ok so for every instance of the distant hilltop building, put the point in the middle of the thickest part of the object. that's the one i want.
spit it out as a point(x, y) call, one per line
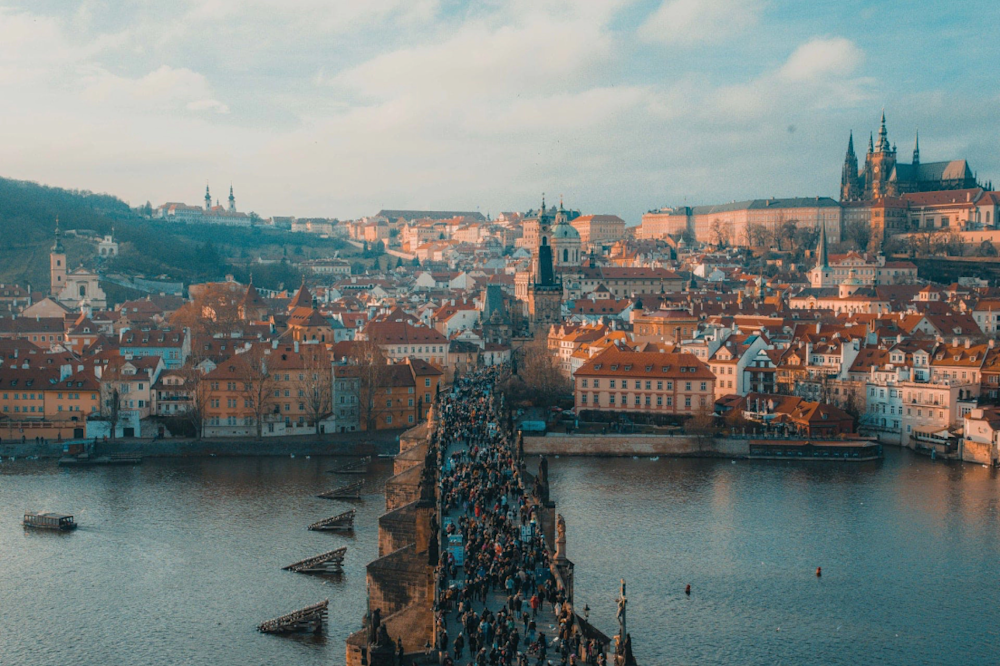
point(883, 176)
point(736, 223)
point(217, 214)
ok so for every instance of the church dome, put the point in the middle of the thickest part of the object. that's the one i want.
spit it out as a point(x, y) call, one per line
point(565, 231)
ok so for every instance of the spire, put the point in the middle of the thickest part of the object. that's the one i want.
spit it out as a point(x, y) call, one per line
point(232, 199)
point(57, 247)
point(871, 144)
point(883, 136)
point(916, 148)
point(850, 146)
point(821, 257)
point(208, 198)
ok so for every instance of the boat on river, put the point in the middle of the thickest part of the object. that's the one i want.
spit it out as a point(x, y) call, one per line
point(49, 521)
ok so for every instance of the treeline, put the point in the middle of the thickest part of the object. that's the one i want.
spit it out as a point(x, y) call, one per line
point(185, 253)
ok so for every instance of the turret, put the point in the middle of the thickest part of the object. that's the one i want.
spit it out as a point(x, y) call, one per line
point(916, 149)
point(208, 198)
point(232, 199)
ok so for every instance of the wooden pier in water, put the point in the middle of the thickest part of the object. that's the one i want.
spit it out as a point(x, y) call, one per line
point(348, 492)
point(310, 618)
point(331, 562)
point(356, 467)
point(342, 522)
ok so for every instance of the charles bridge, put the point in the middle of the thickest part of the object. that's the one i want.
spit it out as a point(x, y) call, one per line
point(405, 582)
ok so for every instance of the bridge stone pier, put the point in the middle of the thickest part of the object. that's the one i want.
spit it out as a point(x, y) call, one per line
point(407, 617)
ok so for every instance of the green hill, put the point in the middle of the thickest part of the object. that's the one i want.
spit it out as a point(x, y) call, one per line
point(186, 253)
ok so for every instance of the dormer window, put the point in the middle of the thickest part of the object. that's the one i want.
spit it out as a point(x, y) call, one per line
point(627, 368)
point(614, 367)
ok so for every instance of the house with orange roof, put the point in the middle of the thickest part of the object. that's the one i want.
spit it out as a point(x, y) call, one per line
point(648, 384)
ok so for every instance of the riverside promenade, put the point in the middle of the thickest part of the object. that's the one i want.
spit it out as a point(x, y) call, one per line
point(472, 565)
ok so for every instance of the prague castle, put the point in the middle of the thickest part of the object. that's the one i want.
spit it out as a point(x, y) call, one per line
point(882, 176)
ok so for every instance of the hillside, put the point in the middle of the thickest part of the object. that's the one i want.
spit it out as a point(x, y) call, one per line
point(186, 253)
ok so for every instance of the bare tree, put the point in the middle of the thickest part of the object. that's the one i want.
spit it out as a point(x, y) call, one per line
point(860, 232)
point(539, 379)
point(373, 375)
point(719, 233)
point(317, 382)
point(111, 398)
point(758, 235)
point(255, 383)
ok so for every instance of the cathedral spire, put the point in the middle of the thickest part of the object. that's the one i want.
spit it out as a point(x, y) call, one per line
point(850, 146)
point(883, 136)
point(822, 261)
point(916, 148)
point(871, 144)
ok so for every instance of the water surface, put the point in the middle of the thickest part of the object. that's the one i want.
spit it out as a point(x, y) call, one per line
point(909, 550)
point(177, 561)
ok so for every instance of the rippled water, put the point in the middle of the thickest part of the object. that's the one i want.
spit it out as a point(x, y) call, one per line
point(176, 562)
point(909, 548)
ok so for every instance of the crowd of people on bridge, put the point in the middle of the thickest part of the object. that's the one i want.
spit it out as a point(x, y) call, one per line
point(503, 563)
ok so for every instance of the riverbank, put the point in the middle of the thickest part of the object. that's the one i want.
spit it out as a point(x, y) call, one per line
point(334, 444)
point(679, 446)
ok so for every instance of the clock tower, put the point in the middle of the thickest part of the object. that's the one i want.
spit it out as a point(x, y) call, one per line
point(57, 265)
point(879, 164)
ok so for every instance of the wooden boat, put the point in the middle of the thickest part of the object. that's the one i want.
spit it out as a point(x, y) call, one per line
point(342, 522)
point(49, 521)
point(310, 618)
point(356, 467)
point(348, 492)
point(331, 562)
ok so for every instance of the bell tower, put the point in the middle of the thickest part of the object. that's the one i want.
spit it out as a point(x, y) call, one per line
point(57, 264)
point(880, 165)
point(208, 198)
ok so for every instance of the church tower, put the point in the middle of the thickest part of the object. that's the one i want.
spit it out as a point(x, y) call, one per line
point(208, 198)
point(849, 190)
point(916, 149)
point(820, 275)
point(545, 292)
point(232, 199)
point(879, 166)
point(57, 265)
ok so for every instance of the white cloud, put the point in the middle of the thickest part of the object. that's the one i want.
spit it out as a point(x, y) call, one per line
point(822, 58)
point(543, 54)
point(688, 22)
point(163, 89)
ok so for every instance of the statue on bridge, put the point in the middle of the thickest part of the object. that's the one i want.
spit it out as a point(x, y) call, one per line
point(542, 481)
point(623, 641)
point(560, 537)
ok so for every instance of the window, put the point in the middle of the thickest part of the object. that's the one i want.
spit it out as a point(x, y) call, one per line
point(427, 381)
point(597, 383)
point(704, 386)
point(638, 401)
point(388, 403)
point(611, 400)
point(687, 401)
point(388, 418)
point(612, 383)
point(584, 384)
point(687, 386)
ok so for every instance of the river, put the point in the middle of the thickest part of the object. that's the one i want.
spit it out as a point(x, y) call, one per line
point(909, 550)
point(176, 561)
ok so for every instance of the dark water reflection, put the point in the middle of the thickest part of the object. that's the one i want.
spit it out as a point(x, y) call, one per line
point(176, 562)
point(910, 552)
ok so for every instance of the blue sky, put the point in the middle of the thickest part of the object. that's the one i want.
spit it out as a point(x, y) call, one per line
point(319, 107)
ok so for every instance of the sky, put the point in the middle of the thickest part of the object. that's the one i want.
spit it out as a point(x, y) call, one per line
point(338, 108)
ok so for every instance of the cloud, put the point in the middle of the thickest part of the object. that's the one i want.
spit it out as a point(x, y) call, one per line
point(822, 58)
point(688, 22)
point(162, 89)
point(542, 54)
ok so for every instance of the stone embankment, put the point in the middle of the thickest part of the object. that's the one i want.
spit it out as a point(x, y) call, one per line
point(345, 444)
point(691, 446)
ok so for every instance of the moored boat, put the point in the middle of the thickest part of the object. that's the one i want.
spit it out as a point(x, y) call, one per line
point(49, 521)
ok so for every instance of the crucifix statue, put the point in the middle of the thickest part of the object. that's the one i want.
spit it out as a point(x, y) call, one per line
point(622, 603)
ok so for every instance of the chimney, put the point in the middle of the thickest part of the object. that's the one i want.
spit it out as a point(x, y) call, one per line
point(818, 326)
point(968, 343)
point(954, 342)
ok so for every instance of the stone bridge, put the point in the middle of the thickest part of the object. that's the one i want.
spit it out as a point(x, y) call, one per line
point(405, 581)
